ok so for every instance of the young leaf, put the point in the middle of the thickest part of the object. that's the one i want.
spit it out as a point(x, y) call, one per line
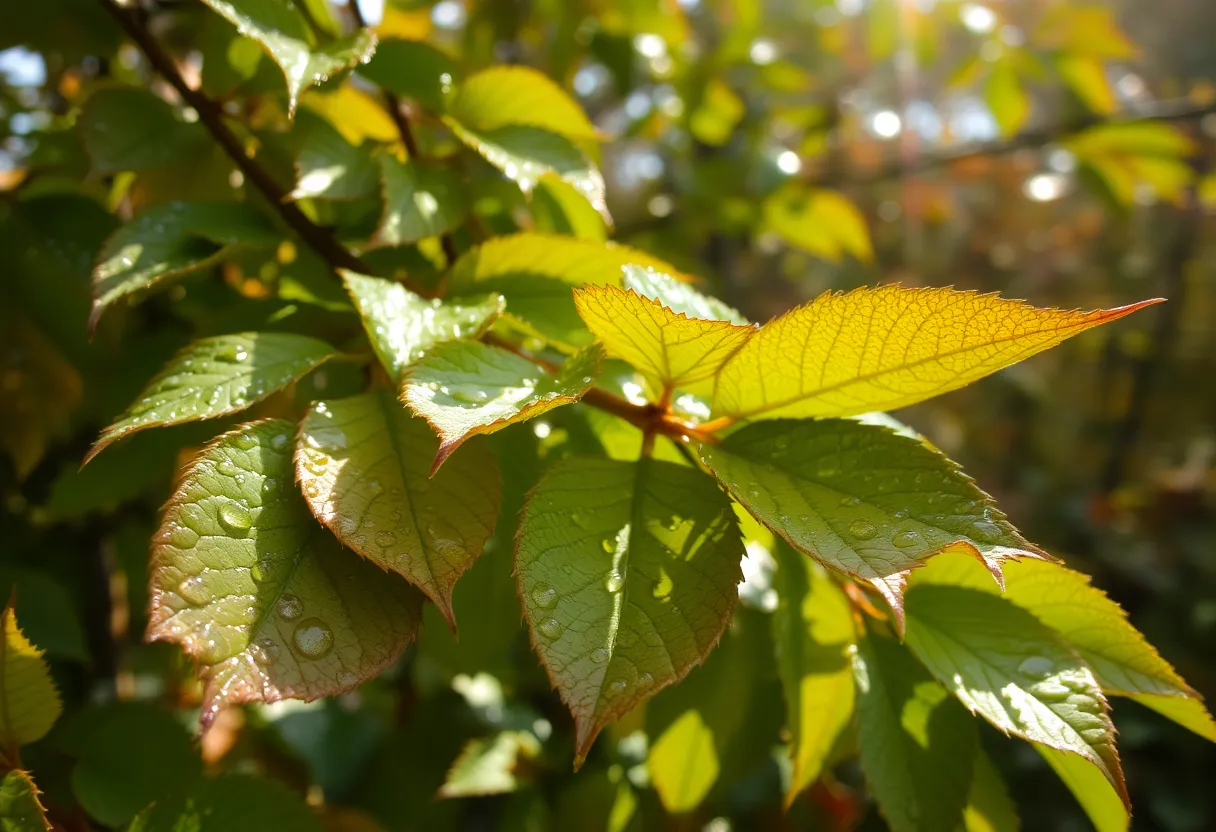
point(412, 69)
point(627, 573)
point(1097, 628)
point(671, 350)
point(267, 604)
point(884, 348)
point(918, 746)
point(363, 463)
point(678, 296)
point(328, 166)
point(1010, 668)
point(820, 222)
point(535, 273)
point(517, 95)
point(282, 30)
point(466, 388)
point(170, 240)
point(132, 129)
point(815, 635)
point(29, 702)
point(20, 809)
point(229, 803)
point(862, 499)
point(491, 765)
point(419, 201)
point(216, 377)
point(402, 326)
point(560, 208)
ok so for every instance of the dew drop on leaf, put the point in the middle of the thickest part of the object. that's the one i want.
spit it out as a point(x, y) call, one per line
point(347, 679)
point(245, 442)
point(905, 539)
point(615, 582)
point(183, 537)
point(289, 607)
point(194, 591)
point(280, 441)
point(618, 686)
point(226, 468)
point(645, 680)
point(268, 649)
point(850, 501)
point(544, 596)
point(313, 638)
point(234, 518)
point(385, 538)
point(550, 628)
point(599, 655)
point(862, 529)
point(1036, 667)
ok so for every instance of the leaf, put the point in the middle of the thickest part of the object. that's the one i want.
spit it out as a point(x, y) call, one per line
point(1097, 628)
point(403, 326)
point(918, 746)
point(29, 702)
point(170, 240)
point(490, 765)
point(127, 129)
point(862, 499)
point(1087, 78)
point(560, 208)
point(268, 605)
point(1010, 668)
point(20, 809)
point(419, 201)
point(1006, 97)
point(686, 749)
point(678, 296)
point(363, 464)
point(467, 388)
point(229, 803)
point(885, 348)
point(1088, 30)
point(535, 272)
point(820, 222)
point(413, 69)
point(627, 573)
point(128, 754)
point(1128, 157)
point(328, 166)
point(282, 30)
point(1105, 804)
point(671, 350)
point(527, 154)
point(355, 114)
point(216, 377)
point(715, 118)
point(503, 96)
point(989, 807)
point(814, 631)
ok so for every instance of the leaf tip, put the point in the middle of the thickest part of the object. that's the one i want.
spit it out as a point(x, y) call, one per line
point(892, 588)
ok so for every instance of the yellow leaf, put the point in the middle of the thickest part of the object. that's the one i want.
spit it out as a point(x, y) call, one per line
point(886, 347)
point(1087, 77)
point(669, 348)
point(354, 113)
point(1126, 156)
point(29, 703)
point(683, 763)
point(823, 223)
point(1006, 97)
point(715, 119)
point(408, 24)
point(1090, 31)
point(518, 95)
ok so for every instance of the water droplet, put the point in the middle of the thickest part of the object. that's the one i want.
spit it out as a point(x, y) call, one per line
point(194, 590)
point(550, 628)
point(850, 501)
point(347, 679)
point(235, 518)
point(599, 655)
point(608, 544)
point(313, 638)
point(645, 680)
point(230, 354)
point(1036, 667)
point(544, 596)
point(263, 569)
point(289, 607)
point(270, 488)
point(905, 538)
point(385, 538)
point(183, 537)
point(245, 442)
point(311, 491)
point(615, 582)
point(268, 648)
point(226, 468)
point(862, 529)
point(280, 441)
point(617, 687)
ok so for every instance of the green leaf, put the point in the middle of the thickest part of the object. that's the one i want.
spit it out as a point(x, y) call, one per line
point(526, 155)
point(1105, 804)
point(29, 703)
point(683, 763)
point(216, 377)
point(504, 96)
point(627, 573)
point(678, 296)
point(128, 754)
point(467, 388)
point(20, 809)
point(560, 208)
point(815, 635)
point(267, 604)
point(989, 807)
point(132, 129)
point(170, 240)
point(47, 610)
point(282, 30)
point(918, 746)
point(493, 765)
point(403, 326)
point(821, 222)
point(363, 464)
point(229, 803)
point(862, 499)
point(1006, 97)
point(715, 118)
point(412, 69)
point(887, 347)
point(535, 272)
point(1128, 157)
point(1096, 627)
point(419, 201)
point(1010, 668)
point(328, 166)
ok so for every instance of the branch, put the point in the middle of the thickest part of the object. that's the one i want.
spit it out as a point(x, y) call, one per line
point(1171, 110)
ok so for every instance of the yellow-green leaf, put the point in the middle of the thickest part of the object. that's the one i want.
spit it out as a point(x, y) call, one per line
point(716, 117)
point(671, 349)
point(29, 703)
point(363, 463)
point(884, 348)
point(1134, 155)
point(989, 807)
point(1006, 97)
point(685, 748)
point(678, 295)
point(494, 765)
point(821, 222)
point(1087, 78)
point(470, 388)
point(516, 95)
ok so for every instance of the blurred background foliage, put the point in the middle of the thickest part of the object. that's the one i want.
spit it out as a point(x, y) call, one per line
point(1052, 150)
